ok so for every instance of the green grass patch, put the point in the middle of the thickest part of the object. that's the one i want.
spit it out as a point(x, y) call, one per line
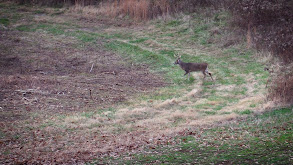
point(200, 28)
point(219, 107)
point(169, 53)
point(165, 93)
point(201, 33)
point(140, 40)
point(2, 134)
point(86, 37)
point(252, 105)
point(25, 28)
point(158, 62)
point(47, 124)
point(4, 21)
point(173, 23)
point(39, 12)
point(2, 5)
point(10, 14)
point(125, 36)
point(89, 114)
point(209, 112)
point(138, 55)
point(203, 106)
point(245, 112)
point(53, 29)
point(225, 113)
point(182, 31)
point(6, 152)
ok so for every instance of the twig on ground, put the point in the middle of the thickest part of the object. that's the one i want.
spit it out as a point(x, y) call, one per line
point(92, 67)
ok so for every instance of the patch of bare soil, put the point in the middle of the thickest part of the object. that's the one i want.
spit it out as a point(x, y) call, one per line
point(43, 66)
point(43, 75)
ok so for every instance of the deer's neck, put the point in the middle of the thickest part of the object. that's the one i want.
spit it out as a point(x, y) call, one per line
point(182, 64)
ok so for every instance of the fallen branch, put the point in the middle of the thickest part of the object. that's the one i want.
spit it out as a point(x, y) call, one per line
point(92, 67)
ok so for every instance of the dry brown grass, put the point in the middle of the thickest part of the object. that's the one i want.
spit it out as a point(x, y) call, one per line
point(139, 10)
point(280, 78)
point(282, 90)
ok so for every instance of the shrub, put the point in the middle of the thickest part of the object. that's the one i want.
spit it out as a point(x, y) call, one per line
point(283, 89)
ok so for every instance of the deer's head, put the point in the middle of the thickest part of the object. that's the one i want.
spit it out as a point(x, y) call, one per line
point(177, 61)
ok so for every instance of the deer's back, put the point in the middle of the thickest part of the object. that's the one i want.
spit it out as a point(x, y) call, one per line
point(195, 66)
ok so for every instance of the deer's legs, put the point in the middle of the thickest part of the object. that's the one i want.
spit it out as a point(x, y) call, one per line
point(186, 72)
point(204, 75)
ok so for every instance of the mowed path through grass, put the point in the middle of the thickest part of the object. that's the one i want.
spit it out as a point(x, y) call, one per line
point(239, 87)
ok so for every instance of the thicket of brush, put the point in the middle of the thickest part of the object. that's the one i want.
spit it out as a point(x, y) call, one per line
point(268, 24)
point(283, 89)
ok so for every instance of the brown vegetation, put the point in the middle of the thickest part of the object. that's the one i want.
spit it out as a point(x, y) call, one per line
point(283, 89)
point(269, 26)
point(138, 9)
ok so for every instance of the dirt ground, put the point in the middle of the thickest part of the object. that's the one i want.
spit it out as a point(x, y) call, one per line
point(36, 69)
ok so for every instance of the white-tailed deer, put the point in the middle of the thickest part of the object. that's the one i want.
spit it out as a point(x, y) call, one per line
point(192, 67)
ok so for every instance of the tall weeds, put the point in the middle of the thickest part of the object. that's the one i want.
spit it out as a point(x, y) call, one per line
point(137, 9)
point(283, 89)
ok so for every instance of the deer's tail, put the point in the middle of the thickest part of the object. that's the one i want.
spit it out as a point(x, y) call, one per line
point(207, 71)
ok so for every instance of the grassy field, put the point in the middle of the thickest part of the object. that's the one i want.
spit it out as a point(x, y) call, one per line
point(77, 87)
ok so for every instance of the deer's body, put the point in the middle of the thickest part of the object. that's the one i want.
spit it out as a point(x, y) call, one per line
point(194, 67)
